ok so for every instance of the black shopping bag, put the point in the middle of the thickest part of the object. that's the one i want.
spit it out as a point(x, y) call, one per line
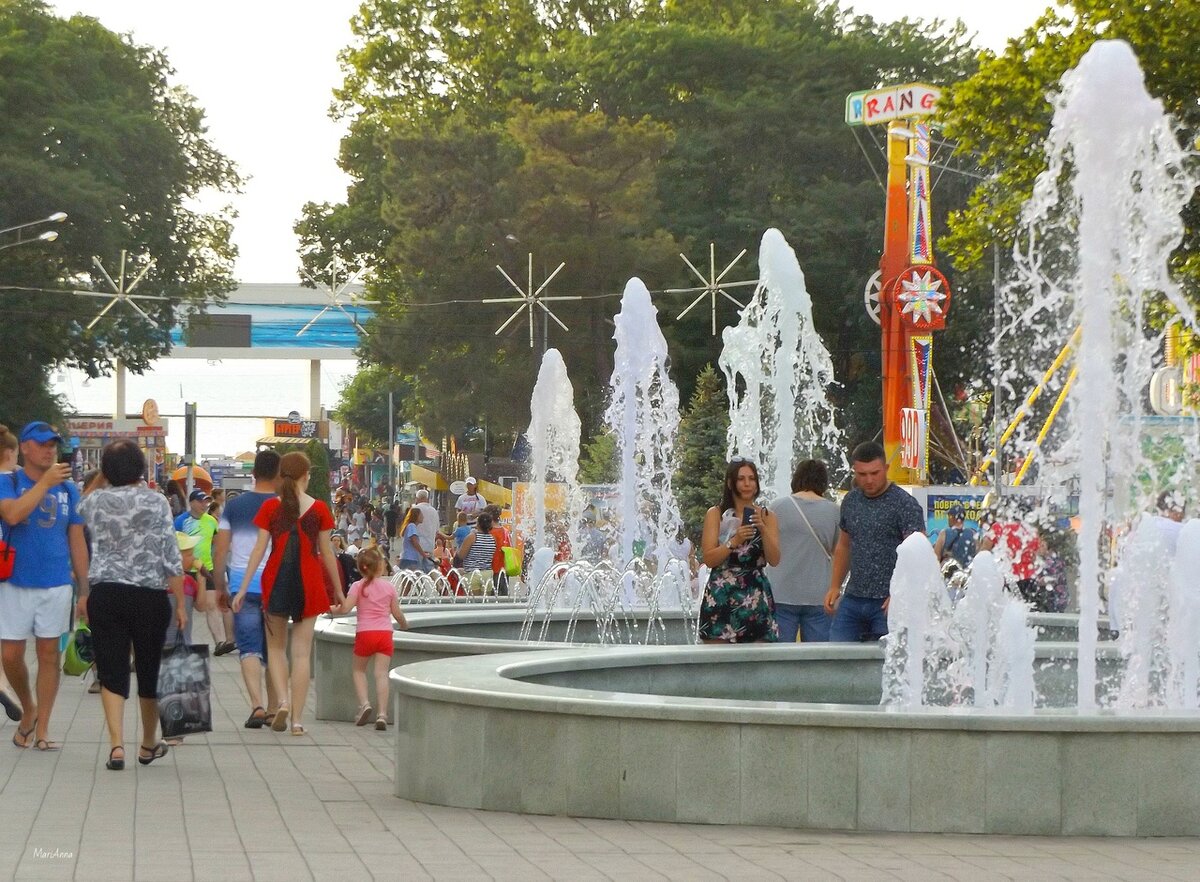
point(184, 699)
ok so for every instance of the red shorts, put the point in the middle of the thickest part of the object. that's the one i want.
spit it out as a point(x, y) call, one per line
point(369, 643)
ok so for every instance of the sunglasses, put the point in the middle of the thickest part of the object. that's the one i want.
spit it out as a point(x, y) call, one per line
point(738, 460)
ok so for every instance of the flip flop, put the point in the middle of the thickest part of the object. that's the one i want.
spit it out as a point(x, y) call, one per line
point(257, 719)
point(21, 739)
point(279, 724)
point(158, 751)
point(298, 730)
point(43, 745)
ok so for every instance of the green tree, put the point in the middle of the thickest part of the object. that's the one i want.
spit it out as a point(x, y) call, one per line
point(609, 135)
point(92, 127)
point(598, 462)
point(318, 471)
point(364, 402)
point(701, 446)
point(1001, 115)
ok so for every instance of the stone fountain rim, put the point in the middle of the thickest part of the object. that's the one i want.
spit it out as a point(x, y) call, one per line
point(496, 682)
point(340, 629)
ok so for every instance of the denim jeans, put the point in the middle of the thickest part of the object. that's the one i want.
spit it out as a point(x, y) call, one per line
point(248, 629)
point(811, 622)
point(858, 620)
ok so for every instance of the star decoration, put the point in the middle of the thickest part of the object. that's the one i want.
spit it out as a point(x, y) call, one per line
point(921, 296)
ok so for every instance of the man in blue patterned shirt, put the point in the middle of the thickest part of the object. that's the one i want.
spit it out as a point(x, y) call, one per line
point(876, 517)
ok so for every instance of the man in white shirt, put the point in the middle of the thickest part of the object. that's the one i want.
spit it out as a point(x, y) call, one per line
point(427, 529)
point(470, 503)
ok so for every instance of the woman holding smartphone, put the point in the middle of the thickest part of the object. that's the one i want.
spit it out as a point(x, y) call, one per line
point(740, 540)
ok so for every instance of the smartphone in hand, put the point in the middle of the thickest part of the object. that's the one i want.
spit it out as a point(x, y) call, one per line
point(747, 514)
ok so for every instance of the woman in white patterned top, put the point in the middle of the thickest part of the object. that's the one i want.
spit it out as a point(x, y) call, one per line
point(135, 561)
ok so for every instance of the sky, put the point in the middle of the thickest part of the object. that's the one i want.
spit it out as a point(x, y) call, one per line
point(264, 71)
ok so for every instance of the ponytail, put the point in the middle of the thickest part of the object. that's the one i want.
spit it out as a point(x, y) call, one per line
point(370, 565)
point(8, 441)
point(292, 469)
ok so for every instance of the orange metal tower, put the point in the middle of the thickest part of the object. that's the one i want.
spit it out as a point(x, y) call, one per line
point(908, 297)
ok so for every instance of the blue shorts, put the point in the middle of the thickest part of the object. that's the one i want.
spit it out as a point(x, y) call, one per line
point(248, 628)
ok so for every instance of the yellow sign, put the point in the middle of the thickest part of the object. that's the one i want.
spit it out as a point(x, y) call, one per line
point(555, 495)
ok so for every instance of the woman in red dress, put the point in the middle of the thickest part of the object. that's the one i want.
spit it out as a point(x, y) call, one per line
point(297, 527)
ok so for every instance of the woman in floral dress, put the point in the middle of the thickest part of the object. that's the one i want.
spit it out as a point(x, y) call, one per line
point(737, 605)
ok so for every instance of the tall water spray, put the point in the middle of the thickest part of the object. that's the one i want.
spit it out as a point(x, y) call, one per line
point(553, 435)
point(1099, 231)
point(643, 414)
point(778, 371)
point(978, 652)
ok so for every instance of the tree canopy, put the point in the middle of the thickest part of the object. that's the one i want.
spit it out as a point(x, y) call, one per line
point(93, 127)
point(1001, 115)
point(610, 136)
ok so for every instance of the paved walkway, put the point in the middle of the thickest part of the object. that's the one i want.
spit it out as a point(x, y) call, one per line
point(240, 804)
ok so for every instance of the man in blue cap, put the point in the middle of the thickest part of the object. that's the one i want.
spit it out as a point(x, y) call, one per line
point(40, 505)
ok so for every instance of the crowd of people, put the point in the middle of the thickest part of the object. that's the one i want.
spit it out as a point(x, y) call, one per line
point(137, 564)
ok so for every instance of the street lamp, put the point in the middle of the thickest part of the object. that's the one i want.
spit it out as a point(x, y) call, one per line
point(57, 218)
point(47, 236)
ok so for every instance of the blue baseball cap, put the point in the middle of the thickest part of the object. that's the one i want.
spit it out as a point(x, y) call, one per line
point(40, 432)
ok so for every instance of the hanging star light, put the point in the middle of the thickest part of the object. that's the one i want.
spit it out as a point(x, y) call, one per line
point(122, 290)
point(338, 287)
point(921, 296)
point(530, 299)
point(712, 286)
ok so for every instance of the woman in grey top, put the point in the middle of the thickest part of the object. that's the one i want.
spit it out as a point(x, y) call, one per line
point(135, 561)
point(808, 524)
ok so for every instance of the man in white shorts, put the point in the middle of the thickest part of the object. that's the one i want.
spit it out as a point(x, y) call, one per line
point(40, 507)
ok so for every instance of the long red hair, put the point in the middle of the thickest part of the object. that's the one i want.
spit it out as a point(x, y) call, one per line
point(292, 469)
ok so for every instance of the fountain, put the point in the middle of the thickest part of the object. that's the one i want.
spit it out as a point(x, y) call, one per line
point(777, 371)
point(553, 436)
point(1100, 230)
point(805, 735)
point(643, 414)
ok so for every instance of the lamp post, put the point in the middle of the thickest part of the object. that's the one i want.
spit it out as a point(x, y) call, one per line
point(45, 236)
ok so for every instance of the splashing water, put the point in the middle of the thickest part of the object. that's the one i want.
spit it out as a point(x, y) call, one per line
point(1099, 231)
point(643, 414)
point(777, 371)
point(554, 430)
point(979, 652)
point(1183, 637)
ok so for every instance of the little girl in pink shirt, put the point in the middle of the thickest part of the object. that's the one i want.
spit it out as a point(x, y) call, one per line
point(377, 605)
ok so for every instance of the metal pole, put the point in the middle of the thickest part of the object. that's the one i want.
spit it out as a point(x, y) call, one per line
point(119, 403)
point(997, 466)
point(391, 443)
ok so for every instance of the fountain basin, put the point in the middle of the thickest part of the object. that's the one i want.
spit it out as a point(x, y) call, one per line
point(448, 632)
point(657, 733)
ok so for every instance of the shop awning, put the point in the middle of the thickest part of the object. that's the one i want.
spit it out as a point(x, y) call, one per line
point(494, 493)
point(427, 476)
point(282, 439)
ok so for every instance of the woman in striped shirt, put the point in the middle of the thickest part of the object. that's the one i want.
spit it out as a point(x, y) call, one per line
point(476, 553)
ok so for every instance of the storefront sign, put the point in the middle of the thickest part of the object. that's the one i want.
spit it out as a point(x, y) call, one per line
point(300, 429)
point(86, 427)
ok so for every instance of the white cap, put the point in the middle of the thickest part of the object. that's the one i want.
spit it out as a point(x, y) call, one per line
point(470, 480)
point(352, 550)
